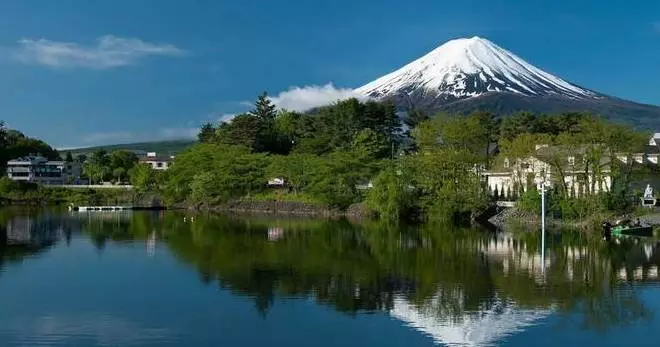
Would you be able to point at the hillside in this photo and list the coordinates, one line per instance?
(175, 146)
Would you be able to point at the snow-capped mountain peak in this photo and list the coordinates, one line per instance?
(469, 67)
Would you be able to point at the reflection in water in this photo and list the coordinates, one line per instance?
(460, 287)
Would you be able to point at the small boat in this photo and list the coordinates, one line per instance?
(626, 229)
(635, 231)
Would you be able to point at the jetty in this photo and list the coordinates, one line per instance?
(73, 208)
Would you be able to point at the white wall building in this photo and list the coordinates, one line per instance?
(157, 162)
(509, 175)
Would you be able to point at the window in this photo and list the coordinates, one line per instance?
(159, 164)
(506, 163)
(571, 161)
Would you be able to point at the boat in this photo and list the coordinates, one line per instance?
(634, 231)
(625, 228)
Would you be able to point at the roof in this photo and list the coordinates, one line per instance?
(158, 158)
(649, 149)
(34, 160)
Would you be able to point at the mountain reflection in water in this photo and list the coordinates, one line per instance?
(458, 286)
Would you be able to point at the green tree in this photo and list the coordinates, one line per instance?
(391, 196)
(143, 177)
(296, 169)
(122, 159)
(206, 133)
(119, 173)
(244, 130)
(264, 109)
(69, 157)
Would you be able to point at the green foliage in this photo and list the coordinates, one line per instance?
(264, 109)
(297, 170)
(530, 201)
(13, 144)
(391, 196)
(206, 133)
(233, 172)
(143, 177)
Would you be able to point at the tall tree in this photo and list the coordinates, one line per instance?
(264, 108)
(206, 133)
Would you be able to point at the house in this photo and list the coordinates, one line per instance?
(38, 169)
(157, 162)
(550, 164)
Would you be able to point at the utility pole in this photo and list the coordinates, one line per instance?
(542, 226)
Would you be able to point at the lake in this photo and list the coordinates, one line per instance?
(160, 279)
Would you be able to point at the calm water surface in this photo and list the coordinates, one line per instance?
(151, 279)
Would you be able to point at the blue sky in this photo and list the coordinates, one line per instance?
(79, 73)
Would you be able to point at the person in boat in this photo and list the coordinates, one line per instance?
(637, 223)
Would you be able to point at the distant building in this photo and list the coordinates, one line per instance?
(157, 162)
(38, 169)
(276, 182)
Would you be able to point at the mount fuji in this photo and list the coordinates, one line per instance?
(466, 75)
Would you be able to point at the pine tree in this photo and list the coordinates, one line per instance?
(69, 157)
(264, 108)
(206, 133)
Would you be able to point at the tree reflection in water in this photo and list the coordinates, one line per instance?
(443, 280)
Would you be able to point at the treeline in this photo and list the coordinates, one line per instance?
(354, 152)
(14, 144)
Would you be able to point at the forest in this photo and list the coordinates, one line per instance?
(416, 166)
(398, 166)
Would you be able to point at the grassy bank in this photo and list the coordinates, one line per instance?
(15, 193)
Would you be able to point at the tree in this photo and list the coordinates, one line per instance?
(122, 159)
(391, 196)
(415, 116)
(202, 187)
(236, 172)
(297, 170)
(206, 133)
(264, 109)
(370, 145)
(244, 130)
(119, 173)
(142, 177)
(69, 157)
(98, 168)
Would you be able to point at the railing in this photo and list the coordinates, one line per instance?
(91, 186)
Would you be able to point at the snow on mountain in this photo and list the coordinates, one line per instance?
(465, 68)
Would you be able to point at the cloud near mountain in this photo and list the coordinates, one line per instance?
(308, 97)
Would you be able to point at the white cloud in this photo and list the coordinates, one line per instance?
(226, 117)
(108, 52)
(305, 98)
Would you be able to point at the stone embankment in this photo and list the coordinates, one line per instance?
(286, 208)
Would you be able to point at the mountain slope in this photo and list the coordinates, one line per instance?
(159, 147)
(464, 75)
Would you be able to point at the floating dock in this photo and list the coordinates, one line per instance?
(100, 208)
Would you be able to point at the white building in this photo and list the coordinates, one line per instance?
(38, 169)
(157, 162)
(550, 164)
